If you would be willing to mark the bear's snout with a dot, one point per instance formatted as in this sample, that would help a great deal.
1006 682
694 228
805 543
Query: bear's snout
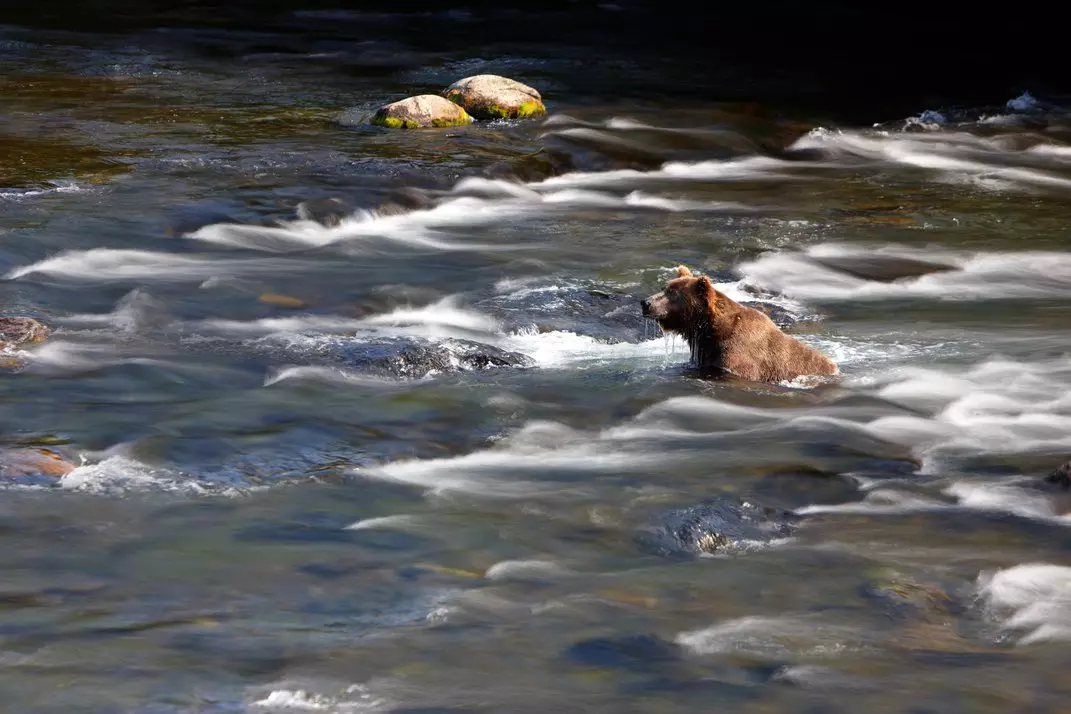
653 307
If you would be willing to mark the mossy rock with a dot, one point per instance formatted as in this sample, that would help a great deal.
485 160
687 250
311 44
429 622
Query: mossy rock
420 112
903 595
15 331
489 96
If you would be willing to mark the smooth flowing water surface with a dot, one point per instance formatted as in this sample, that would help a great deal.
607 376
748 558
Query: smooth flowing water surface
369 420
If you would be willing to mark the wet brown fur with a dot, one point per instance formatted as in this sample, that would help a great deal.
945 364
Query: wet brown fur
727 336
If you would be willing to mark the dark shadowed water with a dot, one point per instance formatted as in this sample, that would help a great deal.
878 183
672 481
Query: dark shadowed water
369 420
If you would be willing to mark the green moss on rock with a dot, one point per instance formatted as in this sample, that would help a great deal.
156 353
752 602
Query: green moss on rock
392 123
420 112
495 97
460 121
524 111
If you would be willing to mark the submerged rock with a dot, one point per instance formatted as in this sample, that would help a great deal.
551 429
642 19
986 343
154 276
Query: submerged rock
426 110
902 595
386 356
641 653
489 96
16 331
721 524
21 463
1061 476
417 360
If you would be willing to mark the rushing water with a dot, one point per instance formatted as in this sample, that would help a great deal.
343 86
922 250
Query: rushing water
301 492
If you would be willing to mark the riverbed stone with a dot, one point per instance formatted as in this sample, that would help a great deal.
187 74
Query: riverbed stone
425 110
724 523
23 462
1061 476
490 96
15 331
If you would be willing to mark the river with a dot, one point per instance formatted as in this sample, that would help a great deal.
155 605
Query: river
369 420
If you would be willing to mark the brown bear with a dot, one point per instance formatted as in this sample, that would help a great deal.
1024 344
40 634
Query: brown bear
725 336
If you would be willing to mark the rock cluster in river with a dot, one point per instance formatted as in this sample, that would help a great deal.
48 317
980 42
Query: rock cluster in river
483 96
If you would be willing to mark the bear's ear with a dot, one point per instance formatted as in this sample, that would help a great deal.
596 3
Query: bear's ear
704 286
683 272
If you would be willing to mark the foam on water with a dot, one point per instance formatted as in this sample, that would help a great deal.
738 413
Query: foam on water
548 458
472 202
118 474
396 521
109 264
561 348
445 318
16 194
775 637
953 156
977 276
1033 598
415 230
136 309
524 569
983 496
354 698
998 406
752 168
498 473
59 357
329 376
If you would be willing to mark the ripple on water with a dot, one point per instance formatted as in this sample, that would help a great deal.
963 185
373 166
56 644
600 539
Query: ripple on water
819 273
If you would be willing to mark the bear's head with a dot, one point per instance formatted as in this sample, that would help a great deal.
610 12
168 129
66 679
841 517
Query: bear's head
686 303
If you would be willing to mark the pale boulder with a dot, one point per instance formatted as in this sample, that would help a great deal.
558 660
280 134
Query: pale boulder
425 110
489 96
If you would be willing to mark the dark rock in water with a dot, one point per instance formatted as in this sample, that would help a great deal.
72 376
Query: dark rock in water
1061 476
393 357
721 524
634 652
22 330
417 360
